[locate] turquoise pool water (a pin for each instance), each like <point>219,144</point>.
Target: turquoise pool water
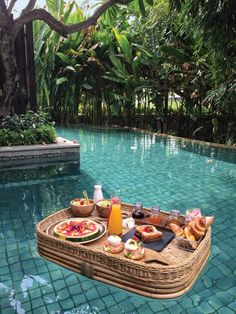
<point>169,173</point>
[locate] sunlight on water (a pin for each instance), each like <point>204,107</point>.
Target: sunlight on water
<point>140,167</point>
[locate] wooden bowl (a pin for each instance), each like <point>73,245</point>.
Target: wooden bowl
<point>103,211</point>
<point>79,210</point>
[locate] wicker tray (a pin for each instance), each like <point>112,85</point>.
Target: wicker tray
<point>166,274</point>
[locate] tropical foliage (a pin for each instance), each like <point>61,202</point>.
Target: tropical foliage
<point>145,65</point>
<point>31,128</point>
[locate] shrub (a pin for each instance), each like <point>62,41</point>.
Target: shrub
<point>45,134</point>
<point>30,120</point>
<point>29,129</point>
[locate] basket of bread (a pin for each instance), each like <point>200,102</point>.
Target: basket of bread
<point>189,236</point>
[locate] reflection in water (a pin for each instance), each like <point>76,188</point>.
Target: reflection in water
<point>140,167</point>
<point>84,309</point>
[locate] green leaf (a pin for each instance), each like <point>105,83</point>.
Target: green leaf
<point>116,61</point>
<point>135,64</point>
<point>61,80</point>
<point>69,67</point>
<point>215,122</point>
<point>69,9</point>
<point>55,7</point>
<point>124,44</point>
<point>118,73</point>
<point>142,49</point>
<point>76,17</point>
<point>136,6</point>
<point>177,53</point>
<point>142,7</point>
<point>114,79</point>
<point>150,2</point>
<point>65,58</point>
<point>86,86</point>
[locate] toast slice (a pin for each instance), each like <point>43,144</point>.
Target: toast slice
<point>148,233</point>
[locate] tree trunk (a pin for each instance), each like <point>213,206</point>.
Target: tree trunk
<point>8,62</point>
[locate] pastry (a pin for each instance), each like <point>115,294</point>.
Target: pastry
<point>113,244</point>
<point>198,227</point>
<point>178,231</point>
<point>190,236</point>
<point>133,249</point>
<point>148,233</point>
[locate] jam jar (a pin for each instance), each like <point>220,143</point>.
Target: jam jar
<point>138,211</point>
<point>155,218</point>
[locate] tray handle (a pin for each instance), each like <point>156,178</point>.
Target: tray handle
<point>87,270</point>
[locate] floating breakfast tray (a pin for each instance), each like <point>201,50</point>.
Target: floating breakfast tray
<point>166,274</point>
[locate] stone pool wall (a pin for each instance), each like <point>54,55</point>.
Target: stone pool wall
<point>62,150</point>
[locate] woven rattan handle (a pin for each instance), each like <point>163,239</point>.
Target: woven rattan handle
<point>87,270</point>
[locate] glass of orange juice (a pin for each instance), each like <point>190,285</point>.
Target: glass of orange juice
<point>115,220</point>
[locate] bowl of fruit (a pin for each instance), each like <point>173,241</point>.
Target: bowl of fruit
<point>82,207</point>
<point>103,208</point>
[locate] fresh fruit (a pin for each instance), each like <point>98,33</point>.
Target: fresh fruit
<point>77,230</point>
<point>80,202</point>
<point>104,203</point>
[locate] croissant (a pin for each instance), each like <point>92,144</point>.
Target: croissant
<point>178,231</point>
<point>190,236</point>
<point>197,227</point>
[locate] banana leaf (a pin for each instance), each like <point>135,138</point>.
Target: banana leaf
<point>124,44</point>
<point>65,58</point>
<point>177,53</point>
<point>116,61</point>
<point>61,80</point>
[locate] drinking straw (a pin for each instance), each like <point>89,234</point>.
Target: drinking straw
<point>86,197</point>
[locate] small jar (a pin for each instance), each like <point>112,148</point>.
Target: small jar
<point>156,218</point>
<point>138,211</point>
<point>155,211</point>
<point>138,206</point>
<point>174,216</point>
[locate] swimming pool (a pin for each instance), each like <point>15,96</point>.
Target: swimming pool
<point>140,167</point>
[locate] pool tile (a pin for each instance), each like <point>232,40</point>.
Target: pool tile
<point>73,289</point>
<point>98,305</point>
<point>79,299</point>
<point>36,303</point>
<point>35,293</point>
<point>167,174</point>
<point>93,294</point>
<point>225,311</point>
<point>67,304</point>
<point>225,297</point>
<point>41,310</point>
<point>86,285</point>
<point>126,306</point>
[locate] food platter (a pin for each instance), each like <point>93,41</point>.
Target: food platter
<point>101,230</point>
<point>166,274</point>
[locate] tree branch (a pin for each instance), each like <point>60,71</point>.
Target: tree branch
<point>11,5</point>
<point>3,8</point>
<point>29,7</point>
<point>62,29</point>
